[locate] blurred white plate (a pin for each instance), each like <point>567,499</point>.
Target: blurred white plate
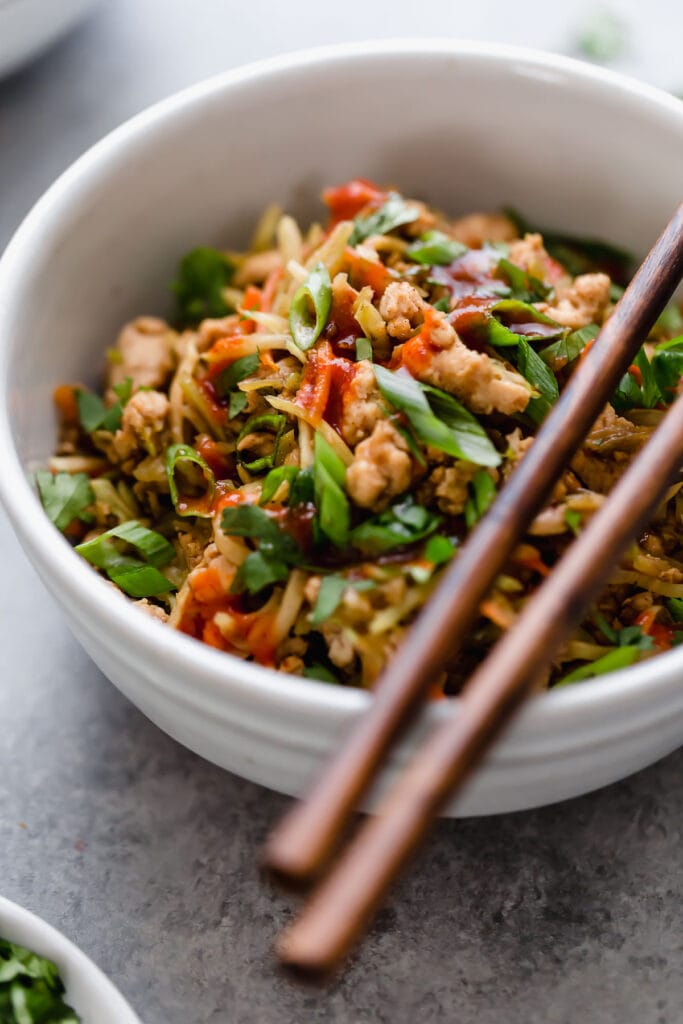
<point>27,27</point>
<point>90,993</point>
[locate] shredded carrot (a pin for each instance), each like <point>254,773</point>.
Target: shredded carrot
<point>315,387</point>
<point>662,634</point>
<point>270,287</point>
<point>65,399</point>
<point>587,347</point>
<point>636,374</point>
<point>207,585</point>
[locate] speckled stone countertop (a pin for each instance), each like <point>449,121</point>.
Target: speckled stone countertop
<point>142,853</point>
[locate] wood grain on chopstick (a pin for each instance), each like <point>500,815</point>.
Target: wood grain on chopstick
<point>305,839</point>
<point>345,901</point>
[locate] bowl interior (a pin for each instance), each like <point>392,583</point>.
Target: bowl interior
<point>465,127</point>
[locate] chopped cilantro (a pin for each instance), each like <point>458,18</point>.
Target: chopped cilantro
<point>31,990</point>
<point>202,275</point>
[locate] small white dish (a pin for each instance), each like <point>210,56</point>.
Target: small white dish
<point>465,126</point>
<point>27,27</point>
<point>90,993</point>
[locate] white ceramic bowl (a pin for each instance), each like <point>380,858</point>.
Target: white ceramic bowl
<point>27,27</point>
<point>466,126</point>
<point>90,993</point>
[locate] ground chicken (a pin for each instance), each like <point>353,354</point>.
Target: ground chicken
<point>339,647</point>
<point>402,307</point>
<point>143,425</point>
<point>601,472</point>
<point>426,219</point>
<point>192,549</point>
<point>441,331</point>
<point>145,349</point>
<point>477,380</point>
<point>381,468</point>
<point>153,610</point>
<point>477,228</point>
<point>360,408</point>
<point>529,253</point>
<point>449,486</point>
<point>580,303</point>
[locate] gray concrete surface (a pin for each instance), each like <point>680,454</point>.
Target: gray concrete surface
<point>142,853</point>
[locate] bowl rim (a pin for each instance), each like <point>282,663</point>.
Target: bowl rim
<point>24,928</point>
<point>53,551</point>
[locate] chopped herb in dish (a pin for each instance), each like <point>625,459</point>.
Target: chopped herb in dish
<point>31,990</point>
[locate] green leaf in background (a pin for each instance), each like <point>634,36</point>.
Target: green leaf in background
<point>580,255</point>
<point>305,324</point>
<point>394,213</point>
<point>604,36</point>
<point>202,275</point>
<point>65,497</point>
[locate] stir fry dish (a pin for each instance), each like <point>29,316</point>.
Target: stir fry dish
<point>285,471</point>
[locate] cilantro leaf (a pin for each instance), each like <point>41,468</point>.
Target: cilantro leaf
<point>246,366</point>
<point>405,522</point>
<point>31,990</point>
<point>65,497</point>
<point>277,551</point>
<point>330,594</point>
<point>238,403</point>
<point>394,213</point>
<point>94,414</point>
<point>202,275</point>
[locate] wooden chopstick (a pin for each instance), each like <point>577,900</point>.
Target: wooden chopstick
<point>303,842</point>
<point>346,899</point>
